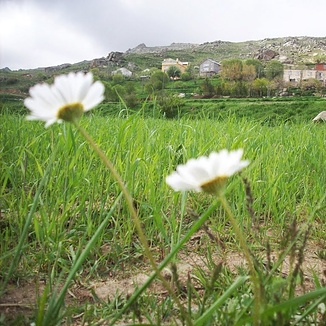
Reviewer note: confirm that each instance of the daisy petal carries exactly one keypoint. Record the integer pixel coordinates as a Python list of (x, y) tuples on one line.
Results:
[(207, 173)]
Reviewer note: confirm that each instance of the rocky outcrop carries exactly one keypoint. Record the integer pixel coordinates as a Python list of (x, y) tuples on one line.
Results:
[(267, 55), (320, 117), (116, 57), (112, 59), (56, 68), (142, 48)]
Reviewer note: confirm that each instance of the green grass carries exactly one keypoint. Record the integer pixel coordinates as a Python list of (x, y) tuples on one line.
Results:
[(286, 176)]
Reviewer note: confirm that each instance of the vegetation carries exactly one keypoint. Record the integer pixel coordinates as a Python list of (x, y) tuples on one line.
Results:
[(250, 78), (70, 241), (273, 202)]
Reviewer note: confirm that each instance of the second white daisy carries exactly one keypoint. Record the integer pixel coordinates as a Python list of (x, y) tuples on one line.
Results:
[(207, 174)]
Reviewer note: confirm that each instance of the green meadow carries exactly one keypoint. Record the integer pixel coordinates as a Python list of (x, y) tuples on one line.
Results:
[(55, 179)]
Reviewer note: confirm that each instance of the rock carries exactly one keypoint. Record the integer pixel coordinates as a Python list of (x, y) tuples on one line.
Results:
[(267, 55), (320, 117), (115, 57)]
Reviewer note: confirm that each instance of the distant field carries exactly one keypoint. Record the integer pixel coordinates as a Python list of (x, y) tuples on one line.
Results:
[(266, 111)]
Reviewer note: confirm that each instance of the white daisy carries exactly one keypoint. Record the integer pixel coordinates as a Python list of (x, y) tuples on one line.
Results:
[(207, 174), (66, 99)]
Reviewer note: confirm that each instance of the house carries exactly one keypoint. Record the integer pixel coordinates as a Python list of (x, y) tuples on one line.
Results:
[(321, 72), (123, 71), (167, 63), (209, 68), (298, 75), (320, 66)]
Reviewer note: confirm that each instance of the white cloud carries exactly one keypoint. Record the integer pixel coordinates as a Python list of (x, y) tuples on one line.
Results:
[(49, 32), (40, 38)]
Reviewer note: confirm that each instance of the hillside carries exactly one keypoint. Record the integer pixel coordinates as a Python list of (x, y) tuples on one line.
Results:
[(291, 50), (288, 50), (302, 51)]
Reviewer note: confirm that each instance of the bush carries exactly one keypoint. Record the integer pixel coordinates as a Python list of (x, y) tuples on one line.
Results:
[(169, 106)]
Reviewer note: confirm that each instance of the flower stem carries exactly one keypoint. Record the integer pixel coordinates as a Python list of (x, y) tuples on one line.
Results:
[(245, 248), (194, 228), (134, 216)]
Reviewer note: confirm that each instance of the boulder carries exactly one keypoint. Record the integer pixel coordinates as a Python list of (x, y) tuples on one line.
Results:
[(320, 117), (266, 55)]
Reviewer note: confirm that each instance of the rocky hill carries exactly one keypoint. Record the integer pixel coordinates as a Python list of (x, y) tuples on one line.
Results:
[(288, 50), (292, 50)]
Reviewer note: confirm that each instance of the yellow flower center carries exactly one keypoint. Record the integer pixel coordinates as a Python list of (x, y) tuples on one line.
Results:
[(71, 112), (214, 186)]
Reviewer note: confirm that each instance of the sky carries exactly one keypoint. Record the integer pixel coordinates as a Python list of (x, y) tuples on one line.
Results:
[(43, 33)]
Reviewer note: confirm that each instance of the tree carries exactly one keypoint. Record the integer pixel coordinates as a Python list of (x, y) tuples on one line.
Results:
[(118, 79), (157, 82), (277, 85), (320, 58), (174, 72), (169, 105), (186, 76), (261, 86), (274, 69), (240, 76), (232, 69), (310, 86), (259, 67), (207, 87), (248, 75)]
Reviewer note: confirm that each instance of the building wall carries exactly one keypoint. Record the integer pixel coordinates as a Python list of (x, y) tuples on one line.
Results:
[(320, 66), (296, 75), (167, 63), (209, 68), (321, 75), (292, 75), (307, 74)]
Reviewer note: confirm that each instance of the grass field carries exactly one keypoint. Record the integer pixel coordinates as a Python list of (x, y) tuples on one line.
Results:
[(53, 177)]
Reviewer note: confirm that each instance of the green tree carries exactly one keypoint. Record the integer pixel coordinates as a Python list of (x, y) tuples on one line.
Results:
[(207, 87), (320, 58), (248, 76), (232, 69), (259, 67), (169, 105), (157, 82), (240, 76), (118, 79), (310, 86), (260, 85), (112, 93), (174, 72), (274, 69), (277, 85), (186, 76)]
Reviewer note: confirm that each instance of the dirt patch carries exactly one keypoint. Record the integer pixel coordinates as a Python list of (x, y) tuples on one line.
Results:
[(22, 298)]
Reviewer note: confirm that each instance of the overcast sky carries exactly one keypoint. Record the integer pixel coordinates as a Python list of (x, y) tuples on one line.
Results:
[(41, 33)]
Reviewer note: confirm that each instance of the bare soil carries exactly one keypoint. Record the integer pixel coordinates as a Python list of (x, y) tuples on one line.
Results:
[(21, 299)]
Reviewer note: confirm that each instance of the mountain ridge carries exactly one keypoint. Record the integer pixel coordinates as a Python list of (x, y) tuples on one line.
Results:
[(292, 50), (303, 46)]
